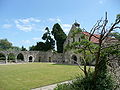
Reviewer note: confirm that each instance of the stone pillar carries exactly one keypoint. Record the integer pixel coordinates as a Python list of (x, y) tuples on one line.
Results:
[(25, 58), (6, 58), (33, 58), (15, 58)]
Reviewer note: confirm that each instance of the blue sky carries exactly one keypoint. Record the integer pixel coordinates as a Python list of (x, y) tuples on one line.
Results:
[(23, 22)]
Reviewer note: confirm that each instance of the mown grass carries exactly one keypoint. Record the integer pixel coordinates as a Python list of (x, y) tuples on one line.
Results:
[(33, 75)]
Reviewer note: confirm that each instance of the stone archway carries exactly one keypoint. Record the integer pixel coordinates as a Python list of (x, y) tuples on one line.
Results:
[(74, 59), (20, 57), (49, 59), (39, 59), (11, 57), (30, 58)]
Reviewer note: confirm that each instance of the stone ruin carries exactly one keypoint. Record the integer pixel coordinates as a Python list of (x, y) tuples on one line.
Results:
[(34, 56)]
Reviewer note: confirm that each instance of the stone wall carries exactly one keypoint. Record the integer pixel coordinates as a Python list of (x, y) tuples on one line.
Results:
[(37, 56)]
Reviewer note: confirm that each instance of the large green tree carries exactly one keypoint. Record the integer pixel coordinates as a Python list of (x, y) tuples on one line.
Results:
[(59, 36), (50, 43), (5, 44)]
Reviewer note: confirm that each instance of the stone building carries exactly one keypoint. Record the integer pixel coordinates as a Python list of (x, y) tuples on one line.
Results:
[(76, 34)]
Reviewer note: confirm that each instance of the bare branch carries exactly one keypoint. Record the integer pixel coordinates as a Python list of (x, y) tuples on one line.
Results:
[(79, 65), (95, 27), (111, 29), (117, 27)]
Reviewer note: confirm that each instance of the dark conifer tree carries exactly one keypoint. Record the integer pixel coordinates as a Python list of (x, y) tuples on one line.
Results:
[(59, 36)]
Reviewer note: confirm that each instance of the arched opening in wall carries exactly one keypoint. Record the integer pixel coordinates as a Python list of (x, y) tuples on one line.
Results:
[(2, 58), (39, 60), (11, 57), (30, 59), (20, 57), (49, 59), (74, 58)]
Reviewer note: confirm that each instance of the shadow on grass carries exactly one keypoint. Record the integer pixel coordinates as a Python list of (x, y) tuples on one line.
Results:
[(64, 64)]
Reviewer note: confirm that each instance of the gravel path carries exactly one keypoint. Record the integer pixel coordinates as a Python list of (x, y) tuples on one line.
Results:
[(50, 87)]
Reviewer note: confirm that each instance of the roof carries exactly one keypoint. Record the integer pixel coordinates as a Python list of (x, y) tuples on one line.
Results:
[(96, 40), (93, 38)]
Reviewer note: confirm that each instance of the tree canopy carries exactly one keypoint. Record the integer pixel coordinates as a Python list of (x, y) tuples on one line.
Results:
[(40, 46), (50, 43), (59, 36), (23, 48), (116, 35), (5, 44)]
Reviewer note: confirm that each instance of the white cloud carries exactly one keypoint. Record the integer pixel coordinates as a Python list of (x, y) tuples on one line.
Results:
[(7, 26), (54, 20), (29, 20), (26, 41), (27, 24), (25, 28)]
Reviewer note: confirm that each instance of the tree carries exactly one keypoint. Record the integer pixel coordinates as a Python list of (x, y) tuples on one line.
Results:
[(102, 53), (102, 56), (50, 43), (23, 49), (59, 36), (5, 44), (41, 46)]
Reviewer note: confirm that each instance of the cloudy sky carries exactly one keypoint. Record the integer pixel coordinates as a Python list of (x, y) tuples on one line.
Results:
[(23, 22)]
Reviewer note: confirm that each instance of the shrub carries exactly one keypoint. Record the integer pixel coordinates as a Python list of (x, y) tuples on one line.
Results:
[(103, 82), (63, 87)]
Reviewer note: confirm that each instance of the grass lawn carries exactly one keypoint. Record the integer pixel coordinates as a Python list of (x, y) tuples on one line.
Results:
[(33, 75)]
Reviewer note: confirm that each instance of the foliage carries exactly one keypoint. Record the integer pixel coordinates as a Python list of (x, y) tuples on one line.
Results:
[(118, 17), (5, 44), (50, 43), (104, 82), (59, 36), (63, 87), (23, 49), (11, 57), (41, 46), (116, 35), (76, 31), (2, 56), (83, 47)]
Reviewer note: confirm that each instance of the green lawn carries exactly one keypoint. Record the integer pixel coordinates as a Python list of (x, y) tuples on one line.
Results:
[(33, 75)]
